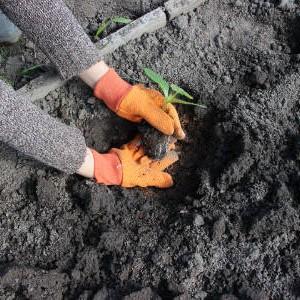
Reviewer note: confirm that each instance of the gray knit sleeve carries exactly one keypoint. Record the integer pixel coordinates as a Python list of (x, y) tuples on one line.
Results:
[(52, 26), (28, 129)]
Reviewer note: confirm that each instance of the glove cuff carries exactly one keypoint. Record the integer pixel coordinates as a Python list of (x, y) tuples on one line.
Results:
[(107, 168), (111, 88)]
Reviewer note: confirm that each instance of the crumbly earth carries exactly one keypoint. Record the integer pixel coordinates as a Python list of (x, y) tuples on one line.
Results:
[(156, 144), (228, 229)]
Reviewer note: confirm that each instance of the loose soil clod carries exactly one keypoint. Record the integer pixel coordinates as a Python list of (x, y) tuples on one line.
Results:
[(155, 143)]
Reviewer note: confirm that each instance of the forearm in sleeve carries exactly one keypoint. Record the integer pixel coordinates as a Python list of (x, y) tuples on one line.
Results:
[(32, 132), (53, 27)]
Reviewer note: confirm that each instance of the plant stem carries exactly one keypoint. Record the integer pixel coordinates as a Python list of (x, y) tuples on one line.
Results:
[(171, 98)]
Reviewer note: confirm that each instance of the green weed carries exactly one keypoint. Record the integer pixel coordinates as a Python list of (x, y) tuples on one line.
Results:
[(29, 72), (108, 21)]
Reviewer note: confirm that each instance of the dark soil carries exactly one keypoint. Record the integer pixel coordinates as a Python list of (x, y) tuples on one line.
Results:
[(228, 229), (156, 144)]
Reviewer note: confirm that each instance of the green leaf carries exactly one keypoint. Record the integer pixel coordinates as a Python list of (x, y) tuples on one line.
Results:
[(102, 27), (121, 20), (165, 87), (179, 101), (180, 91), (30, 71), (107, 21)]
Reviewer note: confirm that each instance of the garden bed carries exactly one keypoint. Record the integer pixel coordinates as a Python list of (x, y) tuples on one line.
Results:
[(228, 229)]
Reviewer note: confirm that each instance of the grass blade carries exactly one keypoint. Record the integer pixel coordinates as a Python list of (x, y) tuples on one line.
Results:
[(29, 71), (179, 101), (165, 87), (121, 20), (102, 27), (180, 91)]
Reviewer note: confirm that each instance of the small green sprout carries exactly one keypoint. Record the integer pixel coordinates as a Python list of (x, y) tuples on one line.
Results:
[(108, 21), (170, 91), (29, 72)]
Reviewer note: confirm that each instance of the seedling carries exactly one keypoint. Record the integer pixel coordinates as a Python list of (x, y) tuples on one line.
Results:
[(29, 72), (172, 92), (108, 21), (156, 144)]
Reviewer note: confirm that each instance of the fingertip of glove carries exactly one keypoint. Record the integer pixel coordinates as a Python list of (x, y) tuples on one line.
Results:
[(167, 181), (173, 155), (166, 125), (180, 134)]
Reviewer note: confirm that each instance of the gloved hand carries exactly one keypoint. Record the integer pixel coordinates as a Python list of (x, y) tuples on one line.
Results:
[(136, 103), (129, 167)]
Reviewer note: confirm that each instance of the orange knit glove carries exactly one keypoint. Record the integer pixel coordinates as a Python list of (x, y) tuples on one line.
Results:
[(136, 103), (129, 167)]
